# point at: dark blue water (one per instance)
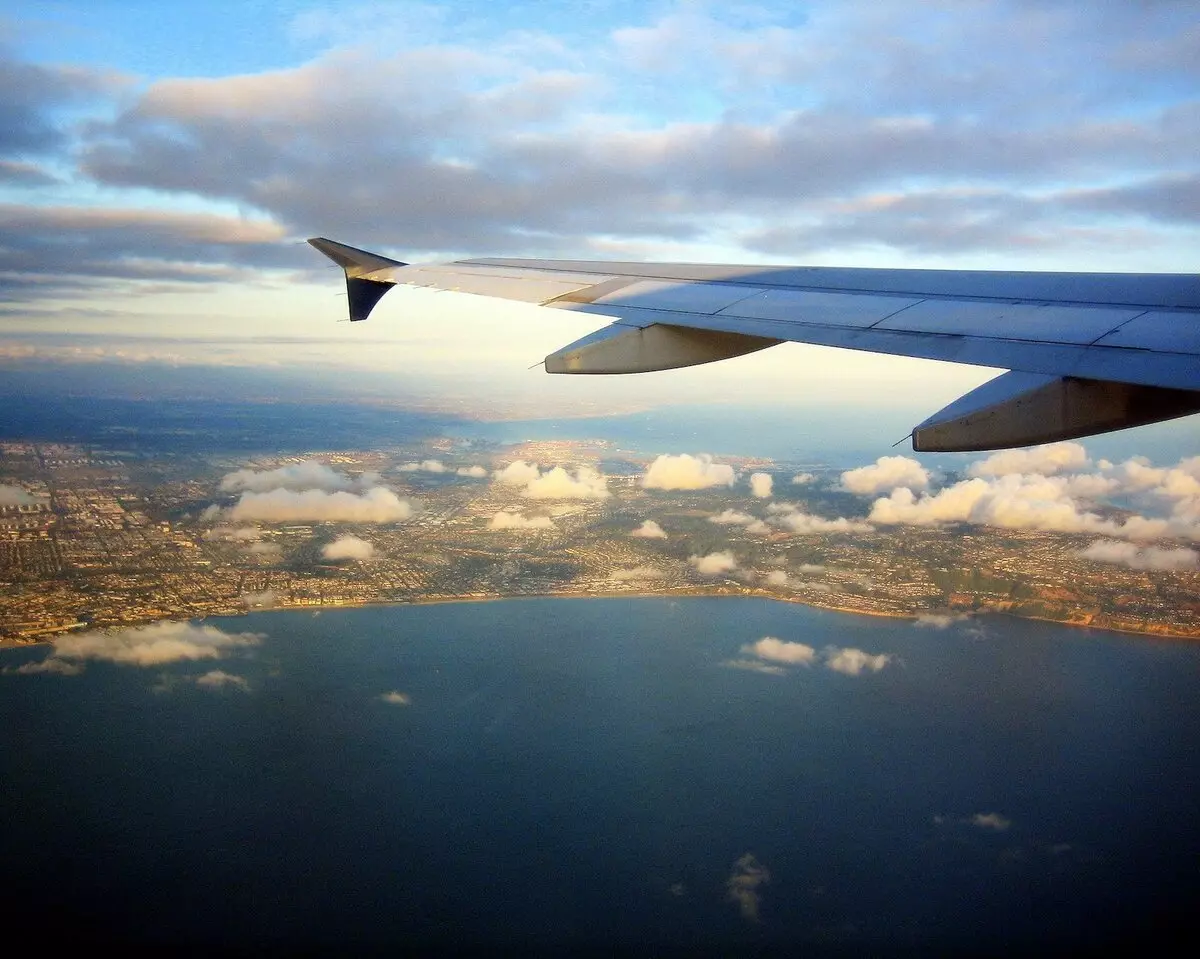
(574, 773)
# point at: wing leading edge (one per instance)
(1087, 352)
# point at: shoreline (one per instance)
(49, 638)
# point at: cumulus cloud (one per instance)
(517, 473)
(425, 466)
(755, 666)
(777, 577)
(846, 660)
(687, 472)
(743, 885)
(803, 479)
(396, 698)
(650, 530)
(260, 600)
(348, 547)
(15, 496)
(51, 664)
(886, 473)
(796, 520)
(376, 505)
(154, 645)
(305, 475)
(760, 485)
(475, 472)
(1147, 557)
(779, 651)
(939, 620)
(559, 484)
(714, 563)
(507, 520)
(853, 662)
(990, 820)
(638, 573)
(1046, 460)
(732, 517)
(219, 679)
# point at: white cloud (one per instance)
(260, 600)
(802, 479)
(517, 473)
(777, 577)
(638, 573)
(15, 496)
(760, 485)
(558, 484)
(1147, 557)
(755, 666)
(779, 651)
(990, 820)
(1046, 460)
(731, 517)
(348, 547)
(743, 886)
(425, 466)
(377, 505)
(714, 563)
(810, 568)
(852, 662)
(308, 474)
(396, 698)
(154, 645)
(219, 679)
(887, 473)
(475, 472)
(687, 472)
(797, 521)
(939, 620)
(650, 530)
(51, 664)
(507, 520)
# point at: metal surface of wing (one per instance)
(1077, 330)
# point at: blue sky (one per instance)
(161, 164)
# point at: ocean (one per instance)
(642, 774)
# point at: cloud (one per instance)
(1046, 460)
(474, 472)
(219, 679)
(760, 485)
(260, 600)
(507, 520)
(649, 530)
(778, 651)
(396, 698)
(732, 517)
(796, 520)
(990, 820)
(714, 563)
(802, 479)
(777, 577)
(347, 546)
(306, 475)
(638, 573)
(686, 472)
(377, 505)
(846, 660)
(518, 473)
(853, 662)
(558, 484)
(939, 620)
(425, 466)
(887, 473)
(755, 666)
(15, 496)
(810, 568)
(154, 645)
(51, 664)
(1147, 557)
(742, 886)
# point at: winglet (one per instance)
(363, 289)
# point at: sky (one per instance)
(161, 166)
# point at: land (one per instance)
(109, 537)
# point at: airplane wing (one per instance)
(1086, 352)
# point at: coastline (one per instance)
(49, 638)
